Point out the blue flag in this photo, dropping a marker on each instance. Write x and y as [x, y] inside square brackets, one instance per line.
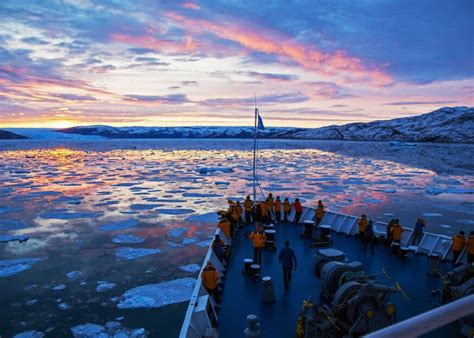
[260, 123]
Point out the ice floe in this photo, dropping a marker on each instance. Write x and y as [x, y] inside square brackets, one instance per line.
[121, 225]
[157, 295]
[64, 306]
[127, 239]
[200, 195]
[208, 170]
[103, 286]
[133, 253]
[431, 214]
[192, 268]
[70, 215]
[144, 206]
[58, 287]
[29, 334]
[176, 211]
[177, 232]
[73, 274]
[10, 267]
[110, 330]
[210, 217]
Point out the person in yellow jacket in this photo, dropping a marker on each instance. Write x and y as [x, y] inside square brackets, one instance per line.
[258, 238]
[224, 224]
[265, 212]
[470, 247]
[239, 211]
[396, 232]
[248, 204]
[210, 280]
[278, 209]
[270, 202]
[458, 244]
[286, 209]
[319, 213]
[362, 225]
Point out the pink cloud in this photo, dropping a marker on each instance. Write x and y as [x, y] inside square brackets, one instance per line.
[191, 5]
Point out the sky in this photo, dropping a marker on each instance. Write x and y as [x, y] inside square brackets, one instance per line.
[309, 63]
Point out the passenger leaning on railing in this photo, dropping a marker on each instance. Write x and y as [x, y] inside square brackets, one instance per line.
[278, 209]
[286, 209]
[457, 246]
[298, 211]
[319, 213]
[210, 279]
[470, 248]
[418, 233]
[362, 225]
[396, 232]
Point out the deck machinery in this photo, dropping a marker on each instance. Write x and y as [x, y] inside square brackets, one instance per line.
[352, 302]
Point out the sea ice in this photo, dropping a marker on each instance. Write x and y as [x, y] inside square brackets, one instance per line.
[177, 232]
[431, 214]
[210, 217]
[127, 239]
[70, 215]
[59, 287]
[187, 241]
[29, 334]
[465, 221]
[31, 302]
[207, 170]
[10, 267]
[64, 306]
[157, 295]
[103, 286]
[192, 268]
[144, 206]
[200, 195]
[175, 211]
[73, 274]
[133, 253]
[121, 225]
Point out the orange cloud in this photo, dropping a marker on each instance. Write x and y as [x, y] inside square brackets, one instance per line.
[191, 5]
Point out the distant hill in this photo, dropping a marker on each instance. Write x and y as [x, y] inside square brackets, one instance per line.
[7, 135]
[445, 125]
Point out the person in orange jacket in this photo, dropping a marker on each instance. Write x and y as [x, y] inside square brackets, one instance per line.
[248, 204]
[210, 280]
[286, 209]
[298, 210]
[239, 211]
[362, 224]
[224, 224]
[278, 209]
[258, 238]
[470, 247]
[319, 213]
[265, 212]
[396, 232]
[458, 244]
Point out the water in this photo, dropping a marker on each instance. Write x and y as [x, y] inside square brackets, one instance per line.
[105, 216]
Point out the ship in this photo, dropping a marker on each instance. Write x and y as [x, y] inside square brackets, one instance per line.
[338, 289]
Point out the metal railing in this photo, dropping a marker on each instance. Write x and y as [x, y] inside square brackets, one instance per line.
[428, 321]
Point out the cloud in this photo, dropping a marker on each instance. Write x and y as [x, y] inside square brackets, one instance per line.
[406, 103]
[327, 90]
[294, 97]
[272, 76]
[141, 50]
[34, 41]
[74, 97]
[160, 99]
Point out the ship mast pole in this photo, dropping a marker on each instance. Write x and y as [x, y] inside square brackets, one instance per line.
[255, 152]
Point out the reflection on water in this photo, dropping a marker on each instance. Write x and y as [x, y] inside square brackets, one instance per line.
[74, 201]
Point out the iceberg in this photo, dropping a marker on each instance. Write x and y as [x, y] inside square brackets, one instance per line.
[158, 295]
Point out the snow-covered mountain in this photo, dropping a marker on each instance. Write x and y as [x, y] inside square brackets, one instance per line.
[7, 135]
[448, 125]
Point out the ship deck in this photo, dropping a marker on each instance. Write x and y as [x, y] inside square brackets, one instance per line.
[241, 295]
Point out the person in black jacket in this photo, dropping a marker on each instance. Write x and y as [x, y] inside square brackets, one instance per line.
[287, 260]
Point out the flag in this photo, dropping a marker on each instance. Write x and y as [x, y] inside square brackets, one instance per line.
[260, 123]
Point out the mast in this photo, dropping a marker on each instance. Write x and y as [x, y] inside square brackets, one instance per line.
[255, 152]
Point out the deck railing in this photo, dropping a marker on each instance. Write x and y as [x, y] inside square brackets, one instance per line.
[428, 321]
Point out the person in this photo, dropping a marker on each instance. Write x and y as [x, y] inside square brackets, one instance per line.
[319, 213]
[362, 225]
[224, 224]
[239, 211]
[258, 238]
[286, 209]
[270, 202]
[248, 204]
[396, 232]
[298, 211]
[257, 213]
[388, 238]
[278, 209]
[218, 247]
[232, 217]
[210, 279]
[369, 236]
[470, 248]
[288, 262]
[458, 244]
[418, 233]
[265, 212]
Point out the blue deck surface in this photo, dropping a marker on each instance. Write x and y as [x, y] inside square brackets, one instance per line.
[242, 295]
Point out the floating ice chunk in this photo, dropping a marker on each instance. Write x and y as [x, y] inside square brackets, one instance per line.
[139, 206]
[127, 239]
[126, 184]
[435, 190]
[175, 211]
[129, 223]
[431, 214]
[221, 183]
[454, 190]
[29, 334]
[64, 306]
[104, 286]
[204, 244]
[445, 226]
[192, 268]
[177, 232]
[186, 241]
[174, 245]
[210, 217]
[70, 215]
[207, 170]
[10, 267]
[89, 330]
[465, 221]
[10, 238]
[31, 302]
[133, 253]
[73, 274]
[200, 195]
[157, 295]
[389, 214]
[373, 201]
[59, 287]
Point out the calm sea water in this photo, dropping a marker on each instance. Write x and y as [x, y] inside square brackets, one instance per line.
[106, 216]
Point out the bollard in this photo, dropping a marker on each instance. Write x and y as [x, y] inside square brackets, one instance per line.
[433, 264]
[268, 292]
[253, 329]
[255, 271]
[325, 232]
[270, 242]
[247, 263]
[308, 229]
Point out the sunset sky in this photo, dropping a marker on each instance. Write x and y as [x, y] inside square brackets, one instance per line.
[310, 62]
